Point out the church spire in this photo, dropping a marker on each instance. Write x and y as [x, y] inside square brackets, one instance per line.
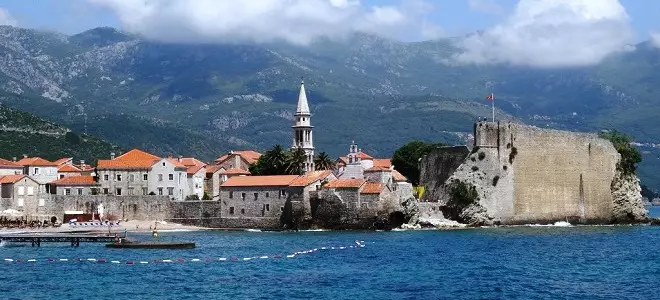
[303, 107]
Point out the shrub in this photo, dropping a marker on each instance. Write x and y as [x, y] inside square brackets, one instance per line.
[206, 196]
[495, 180]
[505, 167]
[475, 168]
[473, 159]
[482, 155]
[629, 155]
[192, 197]
[475, 149]
[512, 155]
[463, 194]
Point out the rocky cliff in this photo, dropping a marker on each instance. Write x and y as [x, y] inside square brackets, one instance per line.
[519, 174]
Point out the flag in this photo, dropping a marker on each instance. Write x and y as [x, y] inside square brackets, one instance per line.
[490, 97]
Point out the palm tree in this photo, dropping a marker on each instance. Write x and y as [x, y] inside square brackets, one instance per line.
[275, 161]
[297, 160]
[323, 162]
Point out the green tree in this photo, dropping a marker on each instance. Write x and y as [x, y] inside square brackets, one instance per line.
[296, 161]
[406, 159]
[323, 162]
[630, 157]
[274, 162]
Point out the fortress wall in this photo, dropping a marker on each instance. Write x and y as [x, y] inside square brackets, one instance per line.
[555, 175]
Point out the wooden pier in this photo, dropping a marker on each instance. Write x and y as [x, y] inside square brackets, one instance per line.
[75, 240]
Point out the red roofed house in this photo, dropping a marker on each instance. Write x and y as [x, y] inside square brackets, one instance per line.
[21, 193]
[10, 167]
[67, 168]
[75, 185]
[39, 169]
[140, 173]
[361, 195]
[196, 171]
[238, 159]
[216, 175]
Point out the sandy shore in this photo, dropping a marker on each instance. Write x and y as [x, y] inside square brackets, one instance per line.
[130, 226]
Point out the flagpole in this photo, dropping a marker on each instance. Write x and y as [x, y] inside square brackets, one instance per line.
[493, 109]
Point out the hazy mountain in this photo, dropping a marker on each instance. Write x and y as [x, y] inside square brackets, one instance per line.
[205, 99]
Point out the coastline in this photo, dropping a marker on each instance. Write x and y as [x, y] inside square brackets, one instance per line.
[132, 226]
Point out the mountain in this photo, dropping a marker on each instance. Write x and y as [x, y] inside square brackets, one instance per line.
[22, 133]
[205, 99]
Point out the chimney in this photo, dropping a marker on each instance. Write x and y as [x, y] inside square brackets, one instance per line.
[169, 156]
[231, 151]
[24, 155]
[180, 158]
[112, 155]
[13, 159]
[82, 162]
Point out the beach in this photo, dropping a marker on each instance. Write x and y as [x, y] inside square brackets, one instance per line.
[130, 226]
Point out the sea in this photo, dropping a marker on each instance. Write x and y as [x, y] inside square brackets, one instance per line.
[523, 262]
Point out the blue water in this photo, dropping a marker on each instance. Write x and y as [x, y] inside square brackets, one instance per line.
[606, 262]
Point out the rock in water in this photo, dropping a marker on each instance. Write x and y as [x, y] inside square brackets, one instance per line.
[627, 203]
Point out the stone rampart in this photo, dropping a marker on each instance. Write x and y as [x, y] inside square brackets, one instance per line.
[525, 174]
[123, 207]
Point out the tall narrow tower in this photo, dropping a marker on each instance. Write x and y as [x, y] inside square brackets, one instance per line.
[302, 129]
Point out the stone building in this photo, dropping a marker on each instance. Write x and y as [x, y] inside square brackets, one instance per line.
[302, 130]
[255, 196]
[75, 185]
[139, 173]
[21, 193]
[216, 175]
[10, 167]
[361, 195]
[237, 159]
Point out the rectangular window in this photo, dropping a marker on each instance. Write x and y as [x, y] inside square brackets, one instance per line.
[160, 191]
[243, 196]
[80, 191]
[42, 202]
[61, 176]
[37, 171]
[267, 207]
[118, 177]
[118, 192]
[256, 196]
[67, 191]
[231, 195]
[160, 177]
[106, 191]
[21, 202]
[30, 190]
[144, 191]
[106, 177]
[131, 177]
[170, 177]
[170, 191]
[131, 191]
[267, 194]
[95, 191]
[242, 211]
[281, 208]
[231, 210]
[21, 190]
[365, 205]
[145, 177]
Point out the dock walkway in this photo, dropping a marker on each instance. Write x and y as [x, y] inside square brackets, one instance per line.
[75, 240]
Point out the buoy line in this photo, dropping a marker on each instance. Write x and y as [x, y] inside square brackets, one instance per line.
[356, 245]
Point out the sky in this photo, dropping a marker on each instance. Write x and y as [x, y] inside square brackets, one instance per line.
[540, 33]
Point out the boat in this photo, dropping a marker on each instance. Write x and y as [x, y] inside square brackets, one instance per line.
[130, 244]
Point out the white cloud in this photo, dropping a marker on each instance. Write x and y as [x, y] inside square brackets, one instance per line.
[655, 39]
[6, 18]
[295, 21]
[552, 33]
[486, 6]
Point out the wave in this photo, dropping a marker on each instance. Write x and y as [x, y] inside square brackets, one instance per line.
[556, 224]
[253, 230]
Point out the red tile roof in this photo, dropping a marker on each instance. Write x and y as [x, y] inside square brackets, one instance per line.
[193, 165]
[234, 171]
[249, 181]
[398, 177]
[68, 169]
[248, 155]
[378, 169]
[176, 163]
[75, 181]
[210, 169]
[136, 154]
[344, 183]
[382, 162]
[123, 165]
[36, 161]
[62, 161]
[363, 155]
[11, 179]
[7, 164]
[372, 188]
[310, 178]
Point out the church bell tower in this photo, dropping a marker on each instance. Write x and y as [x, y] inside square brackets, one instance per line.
[302, 129]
